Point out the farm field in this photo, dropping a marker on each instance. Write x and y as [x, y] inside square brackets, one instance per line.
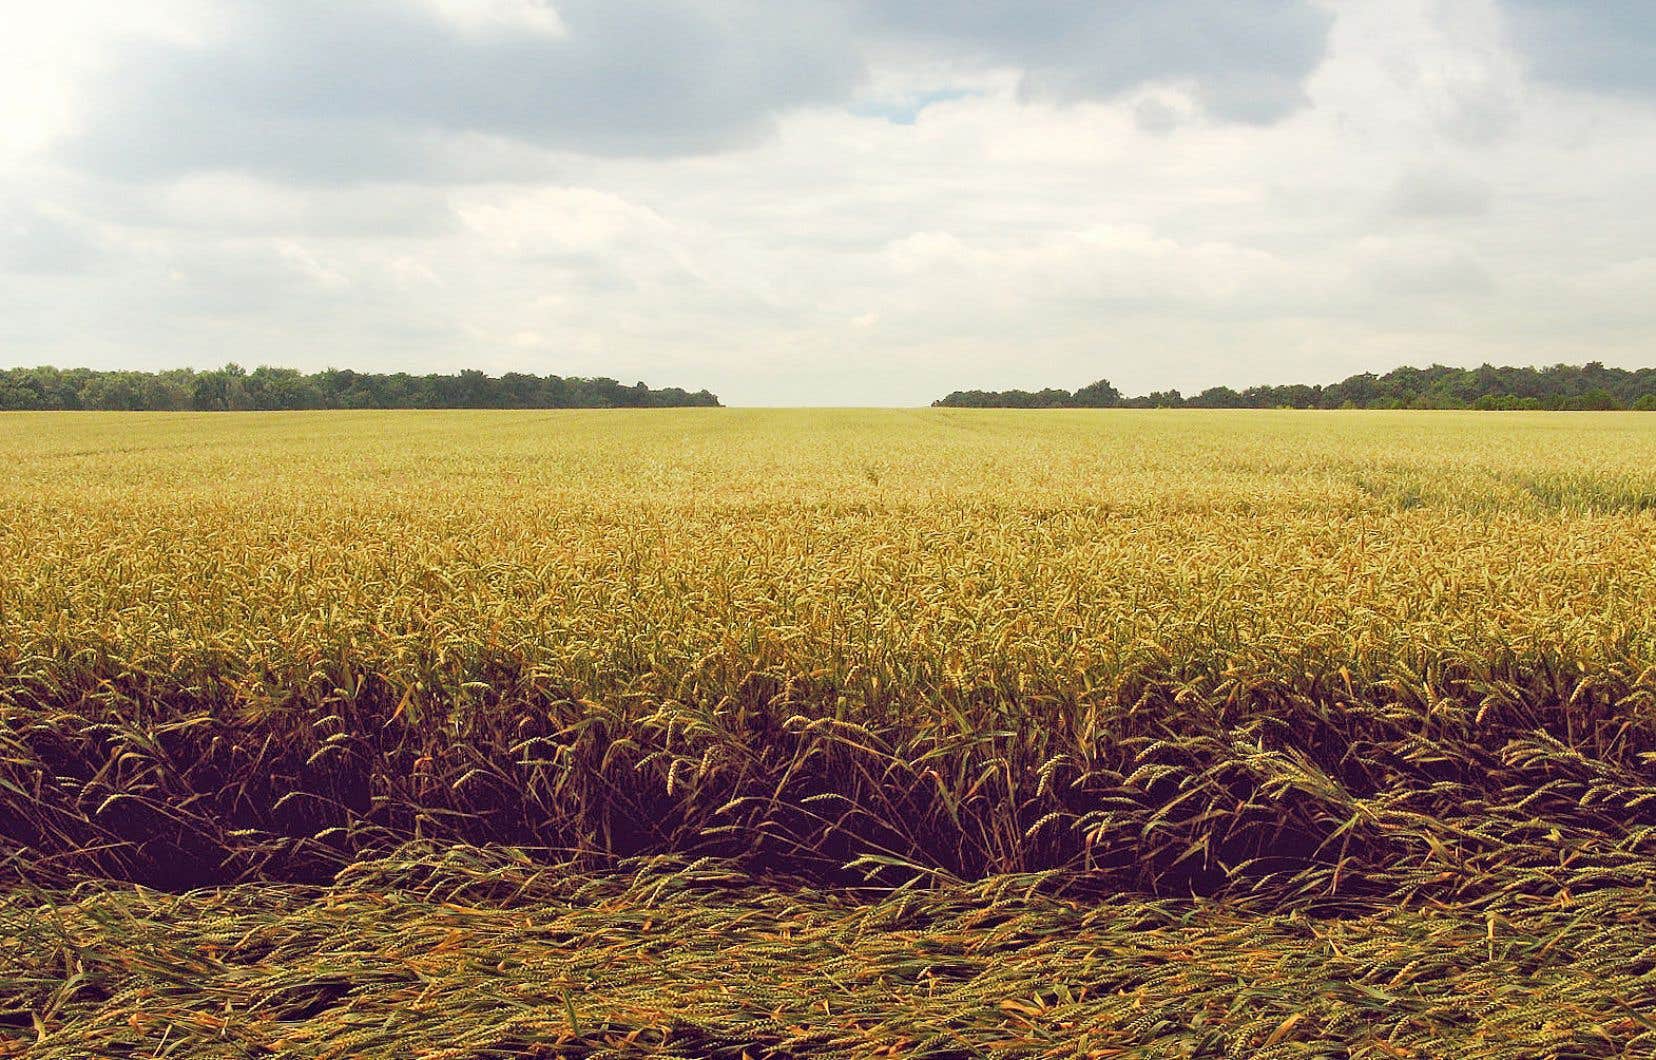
[723, 732]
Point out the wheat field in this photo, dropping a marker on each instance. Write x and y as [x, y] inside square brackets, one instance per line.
[718, 732]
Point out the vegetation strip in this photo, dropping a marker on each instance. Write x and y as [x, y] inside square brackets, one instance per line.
[1559, 387]
[235, 389]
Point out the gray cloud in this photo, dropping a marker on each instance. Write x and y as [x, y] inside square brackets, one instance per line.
[1155, 116]
[1247, 59]
[1435, 194]
[35, 242]
[376, 89]
[316, 91]
[1477, 113]
[1602, 45]
[1421, 267]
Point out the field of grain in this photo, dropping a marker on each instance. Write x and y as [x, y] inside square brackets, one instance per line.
[772, 733]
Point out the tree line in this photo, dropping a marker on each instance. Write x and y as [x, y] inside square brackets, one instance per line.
[233, 388]
[1591, 386]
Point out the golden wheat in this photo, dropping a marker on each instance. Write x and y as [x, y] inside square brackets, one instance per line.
[1352, 667]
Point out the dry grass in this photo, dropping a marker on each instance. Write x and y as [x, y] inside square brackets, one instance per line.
[1327, 734]
[469, 954]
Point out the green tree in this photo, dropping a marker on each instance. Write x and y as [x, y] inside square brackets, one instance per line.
[1099, 395]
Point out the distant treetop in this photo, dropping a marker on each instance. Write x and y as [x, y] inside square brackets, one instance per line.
[233, 388]
[1559, 386]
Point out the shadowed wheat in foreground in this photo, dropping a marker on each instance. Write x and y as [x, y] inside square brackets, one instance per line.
[936, 733]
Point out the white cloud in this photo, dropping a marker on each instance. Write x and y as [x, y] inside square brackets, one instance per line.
[536, 17]
[833, 202]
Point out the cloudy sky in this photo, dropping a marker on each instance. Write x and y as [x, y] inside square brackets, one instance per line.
[830, 201]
